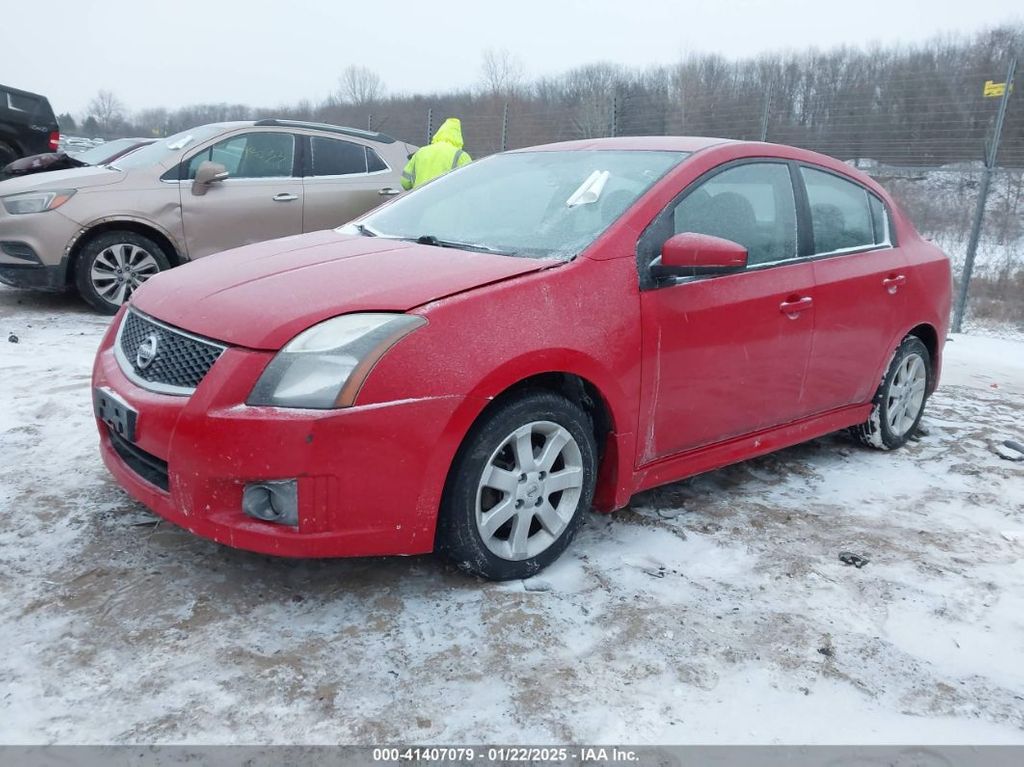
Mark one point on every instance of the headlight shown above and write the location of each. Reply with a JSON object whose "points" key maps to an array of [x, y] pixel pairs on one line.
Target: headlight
{"points": [[325, 366], [36, 202]]}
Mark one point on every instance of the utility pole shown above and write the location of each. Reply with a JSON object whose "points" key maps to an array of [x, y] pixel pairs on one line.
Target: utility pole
{"points": [[430, 124], [766, 110], [369, 122], [504, 127], [615, 115], [979, 211]]}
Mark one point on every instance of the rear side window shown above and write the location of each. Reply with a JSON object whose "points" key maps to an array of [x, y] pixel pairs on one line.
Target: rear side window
{"points": [[373, 161], [751, 204], [841, 215], [333, 157]]}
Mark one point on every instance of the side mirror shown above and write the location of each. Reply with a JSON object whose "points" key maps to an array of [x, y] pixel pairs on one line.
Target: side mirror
{"points": [[208, 173], [690, 254]]}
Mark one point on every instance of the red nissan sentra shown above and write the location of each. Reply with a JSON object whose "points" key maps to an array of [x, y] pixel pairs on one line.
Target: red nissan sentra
{"points": [[473, 366]]}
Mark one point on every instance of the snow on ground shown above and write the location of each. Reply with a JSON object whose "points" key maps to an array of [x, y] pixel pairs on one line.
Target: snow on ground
{"points": [[711, 611]]}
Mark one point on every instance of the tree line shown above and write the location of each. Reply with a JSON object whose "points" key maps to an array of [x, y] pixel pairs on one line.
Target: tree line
{"points": [[913, 105]]}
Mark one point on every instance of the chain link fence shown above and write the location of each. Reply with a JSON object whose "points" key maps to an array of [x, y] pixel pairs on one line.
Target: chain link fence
{"points": [[952, 152]]}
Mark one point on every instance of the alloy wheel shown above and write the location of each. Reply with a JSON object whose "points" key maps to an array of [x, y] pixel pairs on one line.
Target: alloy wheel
{"points": [[118, 270], [906, 394], [529, 490]]}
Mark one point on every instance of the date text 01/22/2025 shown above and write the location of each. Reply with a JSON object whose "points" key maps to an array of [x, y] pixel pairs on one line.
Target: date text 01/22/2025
{"points": [[504, 754]]}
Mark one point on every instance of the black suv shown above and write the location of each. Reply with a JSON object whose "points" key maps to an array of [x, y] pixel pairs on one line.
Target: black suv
{"points": [[27, 125]]}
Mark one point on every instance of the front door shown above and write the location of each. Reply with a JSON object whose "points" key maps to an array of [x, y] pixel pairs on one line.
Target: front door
{"points": [[260, 200], [727, 355]]}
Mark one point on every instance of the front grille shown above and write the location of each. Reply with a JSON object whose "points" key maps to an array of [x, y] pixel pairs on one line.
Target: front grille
{"points": [[179, 360], [147, 466]]}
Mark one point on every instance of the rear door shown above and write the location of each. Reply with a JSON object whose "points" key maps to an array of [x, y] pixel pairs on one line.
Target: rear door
{"points": [[726, 355], [860, 276], [260, 200], [343, 179]]}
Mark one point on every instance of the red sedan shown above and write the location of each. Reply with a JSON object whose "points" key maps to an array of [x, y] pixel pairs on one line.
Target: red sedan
{"points": [[471, 367]]}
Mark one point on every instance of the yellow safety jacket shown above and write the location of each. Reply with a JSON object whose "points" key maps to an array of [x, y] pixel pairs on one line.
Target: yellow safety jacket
{"points": [[444, 153]]}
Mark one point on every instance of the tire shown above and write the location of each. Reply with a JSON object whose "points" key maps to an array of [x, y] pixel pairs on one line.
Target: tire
{"points": [[495, 491], [899, 402], [111, 267]]}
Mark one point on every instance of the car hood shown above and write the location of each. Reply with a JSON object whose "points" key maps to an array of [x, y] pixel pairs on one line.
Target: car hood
{"points": [[261, 296], [72, 178]]}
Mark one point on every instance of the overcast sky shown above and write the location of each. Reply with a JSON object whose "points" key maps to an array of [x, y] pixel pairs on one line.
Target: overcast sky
{"points": [[152, 53]]}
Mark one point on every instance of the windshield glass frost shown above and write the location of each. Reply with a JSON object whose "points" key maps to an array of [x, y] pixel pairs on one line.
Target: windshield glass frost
{"points": [[166, 149], [533, 204]]}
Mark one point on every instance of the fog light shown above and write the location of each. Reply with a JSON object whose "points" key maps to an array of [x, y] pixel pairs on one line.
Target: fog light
{"points": [[276, 501]]}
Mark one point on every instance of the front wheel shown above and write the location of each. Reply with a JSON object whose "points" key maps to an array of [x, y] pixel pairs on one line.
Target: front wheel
{"points": [[519, 487], [899, 402], [113, 265]]}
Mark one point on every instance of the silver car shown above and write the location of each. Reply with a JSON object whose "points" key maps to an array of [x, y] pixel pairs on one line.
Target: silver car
{"points": [[105, 230]]}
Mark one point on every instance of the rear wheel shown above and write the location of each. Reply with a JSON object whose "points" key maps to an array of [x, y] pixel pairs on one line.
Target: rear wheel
{"points": [[519, 487], [899, 402], [113, 265]]}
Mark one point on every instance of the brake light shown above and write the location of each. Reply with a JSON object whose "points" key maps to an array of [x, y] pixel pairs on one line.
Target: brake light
{"points": [[54, 140]]}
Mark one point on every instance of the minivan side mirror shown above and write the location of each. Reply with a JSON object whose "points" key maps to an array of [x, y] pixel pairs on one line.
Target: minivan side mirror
{"points": [[208, 173], [690, 254]]}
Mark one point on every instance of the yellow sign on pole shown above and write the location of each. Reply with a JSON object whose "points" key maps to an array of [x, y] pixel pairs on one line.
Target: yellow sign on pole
{"points": [[994, 90]]}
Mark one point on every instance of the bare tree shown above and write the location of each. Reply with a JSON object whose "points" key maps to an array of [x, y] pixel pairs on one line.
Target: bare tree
{"points": [[108, 110], [502, 72], [360, 86]]}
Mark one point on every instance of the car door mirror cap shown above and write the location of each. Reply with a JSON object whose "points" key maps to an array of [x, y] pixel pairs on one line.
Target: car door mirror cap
{"points": [[689, 254], [208, 173]]}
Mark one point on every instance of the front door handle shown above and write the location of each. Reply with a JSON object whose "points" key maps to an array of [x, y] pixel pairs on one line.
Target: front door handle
{"points": [[793, 305], [894, 282], [388, 191], [285, 197]]}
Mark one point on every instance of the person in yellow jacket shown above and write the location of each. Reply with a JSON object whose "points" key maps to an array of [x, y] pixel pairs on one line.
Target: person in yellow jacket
{"points": [[443, 154]]}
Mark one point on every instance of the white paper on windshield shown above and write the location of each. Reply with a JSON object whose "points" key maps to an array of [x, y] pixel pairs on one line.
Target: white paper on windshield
{"points": [[181, 143], [590, 190]]}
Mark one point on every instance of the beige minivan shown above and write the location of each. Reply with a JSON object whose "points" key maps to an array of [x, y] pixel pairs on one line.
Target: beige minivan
{"points": [[105, 230]]}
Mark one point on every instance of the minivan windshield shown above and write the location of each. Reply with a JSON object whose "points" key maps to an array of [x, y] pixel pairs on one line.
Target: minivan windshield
{"points": [[530, 204], [168, 149]]}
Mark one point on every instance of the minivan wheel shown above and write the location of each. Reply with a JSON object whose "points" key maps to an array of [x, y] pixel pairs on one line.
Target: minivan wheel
{"points": [[899, 402], [519, 487], [113, 265]]}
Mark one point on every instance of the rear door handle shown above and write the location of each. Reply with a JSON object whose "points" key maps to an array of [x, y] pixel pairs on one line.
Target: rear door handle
{"points": [[388, 191], [285, 197], [792, 306], [894, 282]]}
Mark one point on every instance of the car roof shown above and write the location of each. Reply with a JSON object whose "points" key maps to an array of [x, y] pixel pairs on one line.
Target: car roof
{"points": [[635, 143]]}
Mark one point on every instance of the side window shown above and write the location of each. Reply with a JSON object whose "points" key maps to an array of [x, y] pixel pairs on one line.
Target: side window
{"points": [[879, 221], [751, 204], [373, 161], [333, 157], [250, 155], [841, 216]]}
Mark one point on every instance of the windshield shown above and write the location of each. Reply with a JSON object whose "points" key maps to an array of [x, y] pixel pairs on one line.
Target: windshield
{"points": [[168, 149], [532, 204], [100, 154]]}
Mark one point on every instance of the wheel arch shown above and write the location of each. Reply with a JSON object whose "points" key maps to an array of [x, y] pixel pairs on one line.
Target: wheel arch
{"points": [[143, 228], [930, 338], [598, 395]]}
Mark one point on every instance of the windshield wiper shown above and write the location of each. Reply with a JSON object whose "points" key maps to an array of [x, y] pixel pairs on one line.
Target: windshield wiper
{"points": [[366, 231], [430, 239]]}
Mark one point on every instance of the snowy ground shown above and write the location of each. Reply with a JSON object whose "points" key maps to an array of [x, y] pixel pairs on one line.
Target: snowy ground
{"points": [[712, 611]]}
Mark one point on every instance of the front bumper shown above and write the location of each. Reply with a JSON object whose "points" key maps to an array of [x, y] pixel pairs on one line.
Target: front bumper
{"points": [[370, 478], [34, 276]]}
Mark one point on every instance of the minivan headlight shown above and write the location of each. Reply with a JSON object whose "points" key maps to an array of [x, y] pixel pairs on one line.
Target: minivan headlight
{"points": [[36, 202], [324, 367]]}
